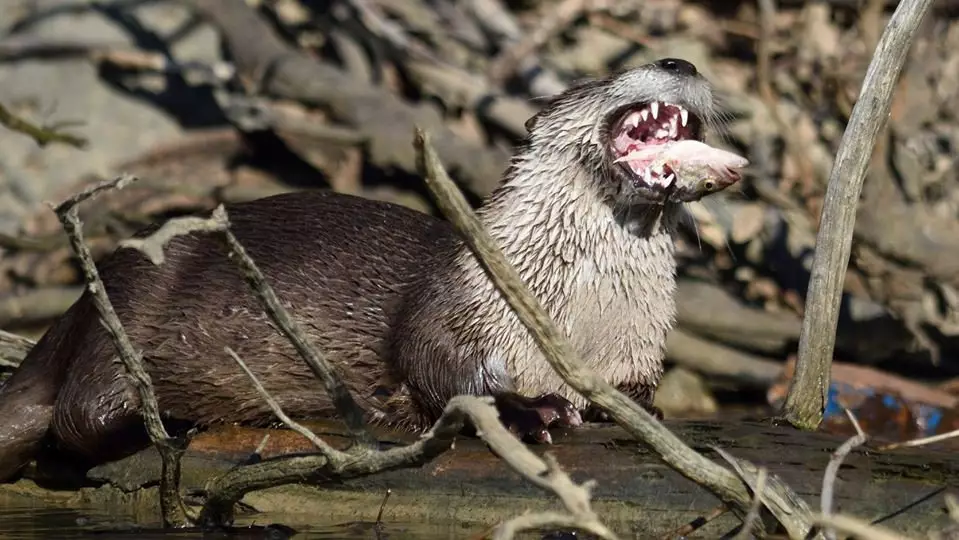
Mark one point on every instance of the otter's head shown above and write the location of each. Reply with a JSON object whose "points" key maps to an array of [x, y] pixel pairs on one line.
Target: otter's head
{"points": [[643, 111]]}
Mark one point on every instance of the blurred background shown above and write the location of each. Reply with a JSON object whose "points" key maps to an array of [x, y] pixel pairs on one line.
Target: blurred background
{"points": [[210, 101]]}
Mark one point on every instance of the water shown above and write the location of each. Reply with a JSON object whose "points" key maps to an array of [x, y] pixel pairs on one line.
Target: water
{"points": [[30, 522]]}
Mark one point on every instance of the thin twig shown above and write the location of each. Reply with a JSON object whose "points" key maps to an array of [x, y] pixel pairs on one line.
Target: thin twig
{"points": [[324, 448], [349, 411], [746, 529], [921, 442], [808, 389], [171, 503], [549, 476], [832, 469], [42, 135], [386, 497]]}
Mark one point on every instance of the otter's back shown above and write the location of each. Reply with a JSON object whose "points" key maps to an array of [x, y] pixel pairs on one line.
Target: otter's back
{"points": [[340, 264]]}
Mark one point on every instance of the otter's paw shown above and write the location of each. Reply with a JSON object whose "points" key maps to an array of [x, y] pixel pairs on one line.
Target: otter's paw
{"points": [[653, 410], [531, 418]]}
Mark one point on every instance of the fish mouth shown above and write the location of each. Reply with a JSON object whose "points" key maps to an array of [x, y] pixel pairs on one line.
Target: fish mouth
{"points": [[642, 127]]}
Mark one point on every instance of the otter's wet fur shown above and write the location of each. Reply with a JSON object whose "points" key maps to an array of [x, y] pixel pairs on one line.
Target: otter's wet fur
{"points": [[391, 296]]}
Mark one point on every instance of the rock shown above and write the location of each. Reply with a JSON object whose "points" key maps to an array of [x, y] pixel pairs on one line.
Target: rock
{"points": [[118, 125], [683, 392]]}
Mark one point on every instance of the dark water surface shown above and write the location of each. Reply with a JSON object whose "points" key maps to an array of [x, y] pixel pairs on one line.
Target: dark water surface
{"points": [[29, 522]]}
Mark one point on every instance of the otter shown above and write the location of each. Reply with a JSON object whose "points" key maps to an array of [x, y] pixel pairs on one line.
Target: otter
{"points": [[392, 296]]}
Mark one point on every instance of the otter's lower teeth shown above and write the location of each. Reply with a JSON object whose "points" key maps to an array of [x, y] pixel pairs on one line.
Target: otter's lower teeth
{"points": [[662, 133]]}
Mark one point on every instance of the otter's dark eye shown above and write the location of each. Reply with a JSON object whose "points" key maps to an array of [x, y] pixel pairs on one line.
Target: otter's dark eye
{"points": [[677, 65]]}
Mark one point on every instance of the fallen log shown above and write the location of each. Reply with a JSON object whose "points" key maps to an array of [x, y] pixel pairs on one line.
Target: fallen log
{"points": [[470, 487]]}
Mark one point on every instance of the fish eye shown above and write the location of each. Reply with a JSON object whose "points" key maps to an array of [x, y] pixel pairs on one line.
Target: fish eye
{"points": [[709, 184]]}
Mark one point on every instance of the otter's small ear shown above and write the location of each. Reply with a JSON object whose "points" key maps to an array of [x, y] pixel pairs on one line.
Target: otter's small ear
{"points": [[545, 103], [531, 123]]}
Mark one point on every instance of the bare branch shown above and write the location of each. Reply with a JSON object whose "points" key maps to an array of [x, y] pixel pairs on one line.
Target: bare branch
{"points": [[807, 392], [544, 473], [170, 449]]}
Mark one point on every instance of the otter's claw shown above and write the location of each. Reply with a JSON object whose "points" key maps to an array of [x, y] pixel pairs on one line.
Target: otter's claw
{"points": [[531, 418]]}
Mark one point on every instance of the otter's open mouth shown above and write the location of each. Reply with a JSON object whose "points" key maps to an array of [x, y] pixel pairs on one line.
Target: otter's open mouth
{"points": [[640, 129]]}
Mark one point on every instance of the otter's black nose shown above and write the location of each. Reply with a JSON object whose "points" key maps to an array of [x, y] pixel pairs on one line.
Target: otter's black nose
{"points": [[677, 65]]}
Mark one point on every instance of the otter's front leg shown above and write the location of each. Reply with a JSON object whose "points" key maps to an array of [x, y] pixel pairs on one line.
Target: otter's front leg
{"points": [[642, 394], [531, 418]]}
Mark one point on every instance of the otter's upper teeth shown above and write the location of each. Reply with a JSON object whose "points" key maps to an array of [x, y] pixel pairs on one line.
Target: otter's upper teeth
{"points": [[632, 120], [654, 108], [644, 114], [683, 116]]}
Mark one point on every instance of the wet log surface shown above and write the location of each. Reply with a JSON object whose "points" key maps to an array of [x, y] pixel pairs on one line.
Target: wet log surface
{"points": [[470, 485]]}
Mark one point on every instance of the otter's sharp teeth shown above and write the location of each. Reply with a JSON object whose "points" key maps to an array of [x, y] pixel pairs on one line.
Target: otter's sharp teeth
{"points": [[662, 133], [684, 116], [673, 128], [632, 121], [644, 114], [654, 108], [648, 176]]}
